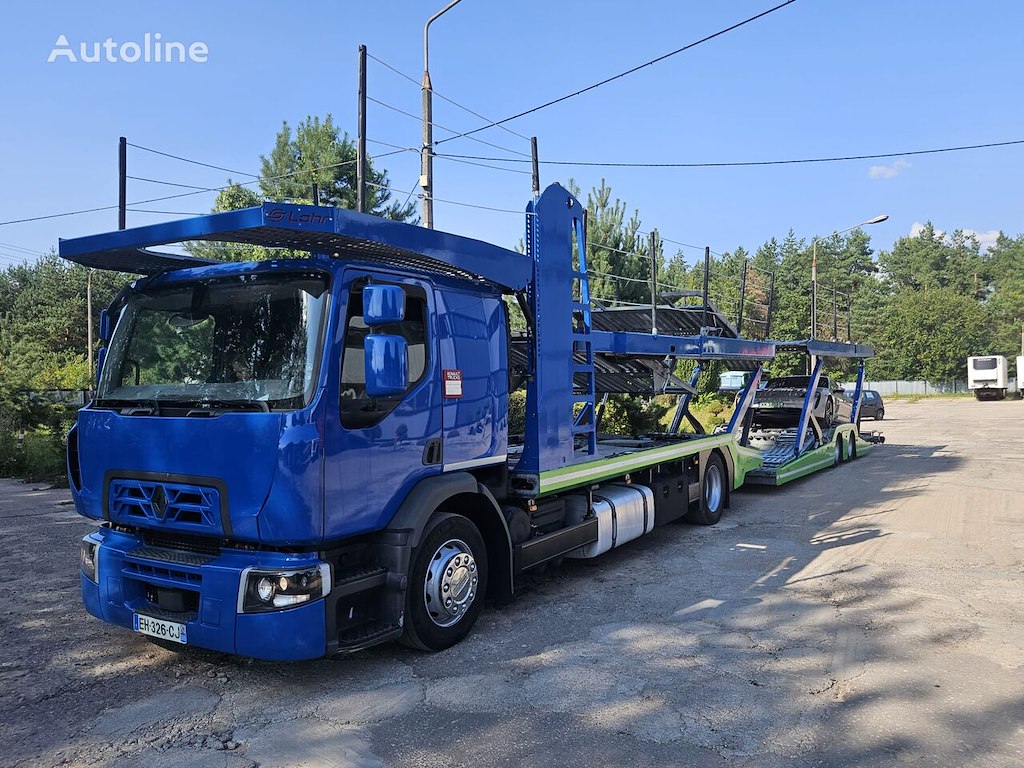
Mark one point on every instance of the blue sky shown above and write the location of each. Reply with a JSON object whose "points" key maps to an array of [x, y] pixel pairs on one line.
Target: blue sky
{"points": [[817, 78]]}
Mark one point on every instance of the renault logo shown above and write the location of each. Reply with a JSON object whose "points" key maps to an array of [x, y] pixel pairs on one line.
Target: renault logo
{"points": [[159, 501]]}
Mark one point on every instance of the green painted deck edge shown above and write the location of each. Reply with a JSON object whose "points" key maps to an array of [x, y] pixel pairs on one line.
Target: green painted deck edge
{"points": [[745, 460], [590, 472], [812, 461]]}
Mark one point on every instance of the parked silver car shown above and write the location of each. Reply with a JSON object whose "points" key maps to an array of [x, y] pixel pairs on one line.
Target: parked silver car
{"points": [[780, 400]]}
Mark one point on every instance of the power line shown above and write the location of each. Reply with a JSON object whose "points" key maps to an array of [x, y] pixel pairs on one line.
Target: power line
{"points": [[188, 160], [167, 213], [165, 183], [452, 159], [439, 95], [745, 163], [484, 165], [16, 259], [621, 74], [58, 215], [13, 247], [457, 202], [198, 191], [452, 130], [393, 146]]}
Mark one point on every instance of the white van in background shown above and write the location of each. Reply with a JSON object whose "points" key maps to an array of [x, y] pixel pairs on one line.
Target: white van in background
{"points": [[987, 376]]}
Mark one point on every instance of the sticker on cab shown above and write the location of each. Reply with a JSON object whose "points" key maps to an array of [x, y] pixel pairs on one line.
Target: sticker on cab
{"points": [[452, 383]]}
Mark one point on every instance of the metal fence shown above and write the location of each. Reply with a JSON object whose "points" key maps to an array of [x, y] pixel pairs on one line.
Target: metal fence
{"points": [[903, 387]]}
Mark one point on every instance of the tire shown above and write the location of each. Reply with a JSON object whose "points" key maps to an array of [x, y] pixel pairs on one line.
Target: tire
{"points": [[853, 446], [879, 414], [712, 493], [830, 412], [447, 584], [837, 452]]}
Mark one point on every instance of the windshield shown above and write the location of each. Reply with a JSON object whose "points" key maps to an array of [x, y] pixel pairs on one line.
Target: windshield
{"points": [[788, 382], [243, 340]]}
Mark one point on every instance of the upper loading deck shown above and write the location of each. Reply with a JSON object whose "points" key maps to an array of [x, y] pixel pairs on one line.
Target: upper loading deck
{"points": [[550, 279]]}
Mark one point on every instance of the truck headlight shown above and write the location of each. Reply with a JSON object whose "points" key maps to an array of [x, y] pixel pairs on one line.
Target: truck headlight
{"points": [[87, 559], [264, 589]]}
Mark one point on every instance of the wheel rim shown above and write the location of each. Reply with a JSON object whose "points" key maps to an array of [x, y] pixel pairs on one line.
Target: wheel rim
{"points": [[829, 412], [713, 488], [839, 450], [450, 584]]}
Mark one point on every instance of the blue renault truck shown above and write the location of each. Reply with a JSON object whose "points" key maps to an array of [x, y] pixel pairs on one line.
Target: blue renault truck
{"points": [[295, 457]]}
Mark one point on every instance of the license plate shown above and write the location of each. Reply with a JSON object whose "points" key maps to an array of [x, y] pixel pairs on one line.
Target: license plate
{"points": [[165, 630]]}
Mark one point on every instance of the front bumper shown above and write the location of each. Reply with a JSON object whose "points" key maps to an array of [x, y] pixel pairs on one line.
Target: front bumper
{"points": [[129, 572]]}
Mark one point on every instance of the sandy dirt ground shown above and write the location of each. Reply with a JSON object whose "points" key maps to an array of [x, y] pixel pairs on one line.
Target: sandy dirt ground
{"points": [[870, 615]]}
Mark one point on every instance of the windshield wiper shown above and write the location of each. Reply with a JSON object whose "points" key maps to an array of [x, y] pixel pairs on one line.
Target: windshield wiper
{"points": [[221, 405], [140, 407], [154, 407]]}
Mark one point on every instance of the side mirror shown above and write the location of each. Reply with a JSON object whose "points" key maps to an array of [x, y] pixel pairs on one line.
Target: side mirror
{"points": [[106, 327], [386, 360], [383, 304]]}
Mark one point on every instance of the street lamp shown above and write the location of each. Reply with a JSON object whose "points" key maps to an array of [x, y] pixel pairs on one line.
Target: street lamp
{"points": [[814, 266], [427, 154]]}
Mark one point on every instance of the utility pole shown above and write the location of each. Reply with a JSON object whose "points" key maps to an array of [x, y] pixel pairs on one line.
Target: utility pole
{"points": [[427, 153], [743, 298], [535, 165], [122, 181], [361, 135], [652, 247], [707, 271]]}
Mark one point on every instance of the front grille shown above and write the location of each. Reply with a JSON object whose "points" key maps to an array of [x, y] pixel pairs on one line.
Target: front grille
{"points": [[166, 540], [165, 503], [174, 556], [162, 571]]}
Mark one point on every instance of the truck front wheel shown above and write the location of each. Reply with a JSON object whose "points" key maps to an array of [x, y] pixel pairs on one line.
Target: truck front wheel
{"points": [[447, 583]]}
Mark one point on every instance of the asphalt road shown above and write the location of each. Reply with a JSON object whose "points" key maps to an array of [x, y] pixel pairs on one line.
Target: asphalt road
{"points": [[869, 615]]}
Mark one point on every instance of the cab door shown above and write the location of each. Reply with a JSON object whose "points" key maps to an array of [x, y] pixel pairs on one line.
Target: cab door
{"points": [[380, 447]]}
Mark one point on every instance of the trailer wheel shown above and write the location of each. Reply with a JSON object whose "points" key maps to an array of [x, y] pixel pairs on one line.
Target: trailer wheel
{"points": [[712, 493], [447, 583], [853, 446], [837, 451]]}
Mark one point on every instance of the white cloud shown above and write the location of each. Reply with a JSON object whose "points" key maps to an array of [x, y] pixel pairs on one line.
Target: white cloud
{"points": [[917, 227], [985, 239], [888, 171]]}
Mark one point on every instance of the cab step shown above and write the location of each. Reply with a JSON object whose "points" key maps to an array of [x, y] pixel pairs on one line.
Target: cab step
{"points": [[353, 582], [369, 634]]}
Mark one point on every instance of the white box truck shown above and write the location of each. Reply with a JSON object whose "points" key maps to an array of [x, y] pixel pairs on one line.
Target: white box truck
{"points": [[986, 377]]}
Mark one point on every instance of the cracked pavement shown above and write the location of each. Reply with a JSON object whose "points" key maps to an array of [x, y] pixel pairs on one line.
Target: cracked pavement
{"points": [[869, 615]]}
